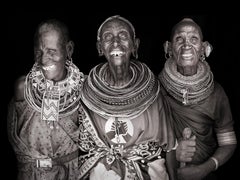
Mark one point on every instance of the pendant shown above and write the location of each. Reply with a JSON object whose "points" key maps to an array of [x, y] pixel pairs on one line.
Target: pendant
{"points": [[50, 107]]}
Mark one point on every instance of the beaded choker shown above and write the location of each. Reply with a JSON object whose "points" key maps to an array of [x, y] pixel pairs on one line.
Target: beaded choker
{"points": [[53, 100], [187, 89], [126, 101]]}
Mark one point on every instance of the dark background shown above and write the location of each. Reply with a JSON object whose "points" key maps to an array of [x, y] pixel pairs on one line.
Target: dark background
{"points": [[221, 30]]}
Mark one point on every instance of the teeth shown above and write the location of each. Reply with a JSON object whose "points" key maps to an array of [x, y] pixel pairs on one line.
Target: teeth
{"points": [[116, 53], [187, 55], [48, 68]]}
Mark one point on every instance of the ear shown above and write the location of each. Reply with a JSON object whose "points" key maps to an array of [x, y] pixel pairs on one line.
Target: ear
{"points": [[167, 47], [207, 48], [70, 48], [99, 49], [135, 48], [136, 43]]}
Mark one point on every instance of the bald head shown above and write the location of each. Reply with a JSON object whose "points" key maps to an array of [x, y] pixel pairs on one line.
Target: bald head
{"points": [[53, 25], [186, 22], [117, 19]]}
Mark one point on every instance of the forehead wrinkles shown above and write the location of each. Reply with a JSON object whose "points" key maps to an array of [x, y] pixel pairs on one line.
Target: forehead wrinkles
{"points": [[187, 30], [116, 25], [187, 27]]}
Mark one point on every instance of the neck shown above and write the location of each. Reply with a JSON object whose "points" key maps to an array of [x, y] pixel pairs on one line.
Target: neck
{"points": [[61, 77], [187, 70], [118, 75]]}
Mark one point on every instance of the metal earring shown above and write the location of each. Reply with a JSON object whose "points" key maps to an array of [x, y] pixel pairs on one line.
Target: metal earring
{"points": [[168, 55], [135, 54], [100, 53], [202, 57]]}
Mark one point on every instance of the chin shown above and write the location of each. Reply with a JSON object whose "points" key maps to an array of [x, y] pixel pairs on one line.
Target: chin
{"points": [[49, 76], [188, 62], [118, 61]]}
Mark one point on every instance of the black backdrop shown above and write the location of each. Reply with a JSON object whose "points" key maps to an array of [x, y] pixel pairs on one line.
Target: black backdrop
{"points": [[222, 31]]}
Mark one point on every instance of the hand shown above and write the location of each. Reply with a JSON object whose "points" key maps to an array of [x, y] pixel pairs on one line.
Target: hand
{"points": [[186, 146], [196, 172], [123, 128]]}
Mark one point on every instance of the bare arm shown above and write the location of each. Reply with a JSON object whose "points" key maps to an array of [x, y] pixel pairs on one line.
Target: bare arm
{"points": [[222, 155], [227, 145], [19, 89]]}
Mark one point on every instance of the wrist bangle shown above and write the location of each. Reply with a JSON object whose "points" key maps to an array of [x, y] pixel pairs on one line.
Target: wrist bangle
{"points": [[215, 161]]}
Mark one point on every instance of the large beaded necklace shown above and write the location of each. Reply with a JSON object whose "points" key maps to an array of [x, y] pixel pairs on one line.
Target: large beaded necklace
{"points": [[53, 100], [187, 89], [125, 101]]}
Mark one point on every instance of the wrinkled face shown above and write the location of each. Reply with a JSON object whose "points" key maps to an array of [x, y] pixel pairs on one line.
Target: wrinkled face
{"points": [[187, 44], [50, 54], [116, 42]]}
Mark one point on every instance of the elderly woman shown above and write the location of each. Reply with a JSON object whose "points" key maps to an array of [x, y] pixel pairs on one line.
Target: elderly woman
{"points": [[125, 134], [43, 115], [196, 102]]}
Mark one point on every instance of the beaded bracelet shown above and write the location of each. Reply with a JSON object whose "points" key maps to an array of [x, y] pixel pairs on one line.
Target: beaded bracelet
{"points": [[215, 161]]}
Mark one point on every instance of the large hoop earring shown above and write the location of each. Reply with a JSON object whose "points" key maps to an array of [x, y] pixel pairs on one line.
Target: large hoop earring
{"points": [[202, 57], [135, 54], [168, 55], [100, 53]]}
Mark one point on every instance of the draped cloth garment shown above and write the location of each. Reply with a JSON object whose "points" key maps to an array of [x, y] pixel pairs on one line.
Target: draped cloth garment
{"points": [[209, 115], [34, 141], [124, 138]]}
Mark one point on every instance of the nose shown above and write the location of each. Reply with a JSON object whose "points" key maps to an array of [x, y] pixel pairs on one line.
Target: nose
{"points": [[187, 44], [115, 41], [41, 57]]}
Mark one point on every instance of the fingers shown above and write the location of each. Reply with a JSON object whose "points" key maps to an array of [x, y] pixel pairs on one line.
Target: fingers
{"points": [[193, 138], [186, 149]]}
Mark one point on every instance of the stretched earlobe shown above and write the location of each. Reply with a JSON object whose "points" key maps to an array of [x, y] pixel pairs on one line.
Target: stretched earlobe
{"points": [[135, 51], [98, 45], [70, 48], [166, 46], [167, 49], [135, 54], [208, 48]]}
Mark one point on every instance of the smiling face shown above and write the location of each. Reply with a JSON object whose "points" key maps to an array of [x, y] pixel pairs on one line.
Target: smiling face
{"points": [[187, 44], [116, 42], [50, 53]]}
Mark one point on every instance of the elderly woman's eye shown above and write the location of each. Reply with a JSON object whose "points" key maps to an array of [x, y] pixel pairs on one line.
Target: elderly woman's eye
{"points": [[123, 35], [107, 37], [194, 40], [51, 52], [179, 39]]}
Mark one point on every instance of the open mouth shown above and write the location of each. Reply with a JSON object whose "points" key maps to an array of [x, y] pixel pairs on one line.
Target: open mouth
{"points": [[49, 68], [116, 53], [187, 56]]}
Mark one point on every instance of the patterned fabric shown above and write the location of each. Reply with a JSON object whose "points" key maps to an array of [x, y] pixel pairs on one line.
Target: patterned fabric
{"points": [[128, 146], [36, 145]]}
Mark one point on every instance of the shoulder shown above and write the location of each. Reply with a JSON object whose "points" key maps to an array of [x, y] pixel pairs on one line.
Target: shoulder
{"points": [[218, 89], [19, 88]]}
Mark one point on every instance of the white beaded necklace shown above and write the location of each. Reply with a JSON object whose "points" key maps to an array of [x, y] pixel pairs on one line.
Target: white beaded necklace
{"points": [[53, 100]]}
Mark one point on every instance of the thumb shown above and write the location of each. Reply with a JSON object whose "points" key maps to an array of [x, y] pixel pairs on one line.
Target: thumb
{"points": [[186, 133]]}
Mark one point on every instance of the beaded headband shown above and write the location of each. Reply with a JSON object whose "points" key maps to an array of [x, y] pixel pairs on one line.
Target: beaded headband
{"points": [[116, 17]]}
